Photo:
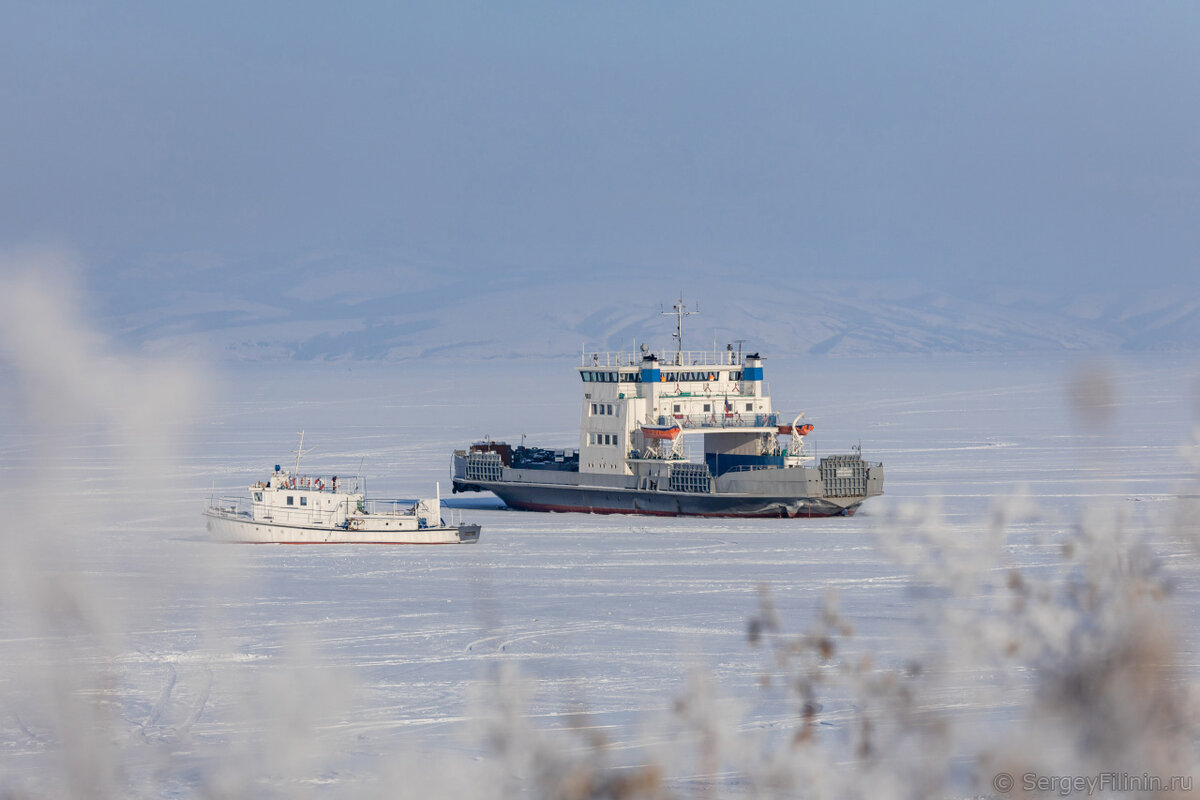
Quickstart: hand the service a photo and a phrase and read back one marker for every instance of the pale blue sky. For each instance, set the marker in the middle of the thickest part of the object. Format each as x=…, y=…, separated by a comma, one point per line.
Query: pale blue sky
x=1039, y=143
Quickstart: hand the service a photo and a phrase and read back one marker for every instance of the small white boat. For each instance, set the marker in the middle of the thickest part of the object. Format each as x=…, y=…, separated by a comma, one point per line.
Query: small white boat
x=289, y=508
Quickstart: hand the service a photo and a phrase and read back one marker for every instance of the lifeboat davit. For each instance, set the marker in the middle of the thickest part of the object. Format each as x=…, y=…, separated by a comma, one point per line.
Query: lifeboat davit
x=660, y=431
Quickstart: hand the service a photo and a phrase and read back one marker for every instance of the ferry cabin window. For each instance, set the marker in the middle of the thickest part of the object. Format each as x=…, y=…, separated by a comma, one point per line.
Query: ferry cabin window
x=290, y=500
x=303, y=501
x=258, y=497
x=749, y=406
x=605, y=377
x=677, y=408
x=707, y=407
x=609, y=410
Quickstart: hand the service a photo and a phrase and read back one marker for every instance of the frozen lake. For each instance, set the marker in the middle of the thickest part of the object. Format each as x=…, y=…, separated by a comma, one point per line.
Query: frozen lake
x=358, y=670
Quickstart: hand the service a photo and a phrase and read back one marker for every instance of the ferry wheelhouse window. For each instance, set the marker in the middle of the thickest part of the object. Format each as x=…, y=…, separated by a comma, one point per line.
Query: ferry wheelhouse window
x=258, y=497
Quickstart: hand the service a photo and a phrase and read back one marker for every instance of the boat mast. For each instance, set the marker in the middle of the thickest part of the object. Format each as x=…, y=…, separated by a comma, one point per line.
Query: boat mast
x=679, y=311
x=300, y=451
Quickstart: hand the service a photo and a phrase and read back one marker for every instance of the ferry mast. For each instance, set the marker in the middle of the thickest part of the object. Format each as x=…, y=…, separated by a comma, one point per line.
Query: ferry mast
x=678, y=311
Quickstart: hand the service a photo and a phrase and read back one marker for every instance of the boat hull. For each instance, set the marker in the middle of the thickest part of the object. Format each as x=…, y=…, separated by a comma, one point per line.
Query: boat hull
x=614, y=500
x=227, y=527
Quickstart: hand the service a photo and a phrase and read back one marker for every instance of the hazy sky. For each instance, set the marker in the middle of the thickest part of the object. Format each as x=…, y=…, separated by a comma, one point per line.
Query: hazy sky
x=957, y=142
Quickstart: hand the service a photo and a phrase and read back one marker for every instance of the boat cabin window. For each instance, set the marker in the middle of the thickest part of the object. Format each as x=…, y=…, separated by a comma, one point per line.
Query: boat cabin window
x=749, y=406
x=303, y=501
x=610, y=411
x=707, y=407
x=290, y=500
x=258, y=497
x=677, y=408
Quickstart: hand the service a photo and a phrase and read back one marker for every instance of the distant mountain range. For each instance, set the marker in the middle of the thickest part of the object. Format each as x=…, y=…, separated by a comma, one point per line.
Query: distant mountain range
x=328, y=309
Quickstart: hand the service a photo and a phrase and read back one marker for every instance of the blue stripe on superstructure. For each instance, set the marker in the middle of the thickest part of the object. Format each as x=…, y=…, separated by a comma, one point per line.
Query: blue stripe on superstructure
x=651, y=375
x=753, y=374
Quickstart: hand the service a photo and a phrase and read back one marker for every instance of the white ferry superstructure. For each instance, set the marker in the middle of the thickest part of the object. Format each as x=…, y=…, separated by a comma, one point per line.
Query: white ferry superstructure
x=639, y=414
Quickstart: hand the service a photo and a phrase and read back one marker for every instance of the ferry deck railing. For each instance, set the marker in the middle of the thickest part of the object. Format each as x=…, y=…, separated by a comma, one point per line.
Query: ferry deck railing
x=723, y=420
x=667, y=357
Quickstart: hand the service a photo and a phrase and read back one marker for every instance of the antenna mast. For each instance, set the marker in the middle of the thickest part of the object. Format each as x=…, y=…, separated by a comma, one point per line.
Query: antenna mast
x=678, y=311
x=300, y=451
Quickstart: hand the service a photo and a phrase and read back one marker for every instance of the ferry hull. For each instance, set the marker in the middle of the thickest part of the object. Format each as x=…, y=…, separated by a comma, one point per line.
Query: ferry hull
x=610, y=500
x=235, y=528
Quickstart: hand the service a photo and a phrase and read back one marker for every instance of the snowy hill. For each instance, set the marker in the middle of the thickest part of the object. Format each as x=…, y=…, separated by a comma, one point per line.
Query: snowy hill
x=332, y=308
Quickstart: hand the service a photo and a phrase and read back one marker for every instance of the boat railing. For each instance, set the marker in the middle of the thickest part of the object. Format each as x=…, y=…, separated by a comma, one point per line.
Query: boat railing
x=244, y=506
x=666, y=358
x=319, y=483
x=402, y=506
x=229, y=505
x=789, y=463
x=751, y=467
x=720, y=420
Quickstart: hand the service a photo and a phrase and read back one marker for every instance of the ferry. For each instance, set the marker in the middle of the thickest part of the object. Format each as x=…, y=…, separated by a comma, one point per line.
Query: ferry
x=687, y=433
x=291, y=508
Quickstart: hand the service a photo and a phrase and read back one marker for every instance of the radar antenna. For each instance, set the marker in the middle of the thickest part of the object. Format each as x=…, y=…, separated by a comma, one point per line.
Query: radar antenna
x=678, y=311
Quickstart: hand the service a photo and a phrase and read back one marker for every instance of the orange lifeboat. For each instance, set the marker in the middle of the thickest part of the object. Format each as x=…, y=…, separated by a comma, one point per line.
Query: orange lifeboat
x=660, y=431
x=799, y=430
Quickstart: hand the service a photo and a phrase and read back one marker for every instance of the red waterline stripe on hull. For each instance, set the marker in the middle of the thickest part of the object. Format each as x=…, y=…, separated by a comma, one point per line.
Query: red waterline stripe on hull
x=584, y=510
x=306, y=543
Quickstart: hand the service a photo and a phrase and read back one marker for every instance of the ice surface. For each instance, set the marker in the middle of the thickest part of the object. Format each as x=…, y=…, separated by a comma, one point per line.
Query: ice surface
x=140, y=659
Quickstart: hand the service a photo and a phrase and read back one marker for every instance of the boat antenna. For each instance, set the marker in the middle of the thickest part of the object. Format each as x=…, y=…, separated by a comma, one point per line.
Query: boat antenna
x=678, y=311
x=359, y=477
x=300, y=451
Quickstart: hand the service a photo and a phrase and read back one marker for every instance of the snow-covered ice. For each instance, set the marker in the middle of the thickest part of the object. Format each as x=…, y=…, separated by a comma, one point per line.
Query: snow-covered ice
x=140, y=655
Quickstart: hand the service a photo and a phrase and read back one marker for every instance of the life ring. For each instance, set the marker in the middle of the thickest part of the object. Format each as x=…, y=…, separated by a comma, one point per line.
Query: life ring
x=291, y=483
x=355, y=525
